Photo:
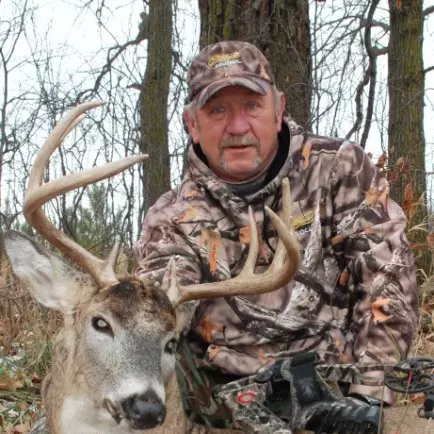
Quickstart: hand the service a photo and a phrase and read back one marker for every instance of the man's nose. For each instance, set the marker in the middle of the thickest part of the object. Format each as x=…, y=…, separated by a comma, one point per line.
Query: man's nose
x=238, y=124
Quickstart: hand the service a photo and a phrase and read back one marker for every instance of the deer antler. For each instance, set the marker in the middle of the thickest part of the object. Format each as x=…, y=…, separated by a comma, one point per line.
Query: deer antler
x=285, y=263
x=37, y=195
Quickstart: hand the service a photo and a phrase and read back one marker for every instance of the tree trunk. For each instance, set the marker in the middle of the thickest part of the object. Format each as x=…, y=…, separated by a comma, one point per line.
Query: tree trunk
x=280, y=30
x=405, y=129
x=154, y=100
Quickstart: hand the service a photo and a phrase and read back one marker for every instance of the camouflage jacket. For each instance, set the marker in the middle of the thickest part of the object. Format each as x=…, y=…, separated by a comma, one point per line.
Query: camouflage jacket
x=354, y=298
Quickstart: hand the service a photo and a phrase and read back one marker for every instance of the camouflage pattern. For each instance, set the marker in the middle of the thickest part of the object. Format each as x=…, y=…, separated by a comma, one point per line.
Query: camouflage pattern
x=199, y=383
x=354, y=299
x=228, y=63
x=246, y=400
x=251, y=404
x=354, y=373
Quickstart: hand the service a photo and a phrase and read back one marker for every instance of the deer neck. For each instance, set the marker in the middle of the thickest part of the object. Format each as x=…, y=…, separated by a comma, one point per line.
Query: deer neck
x=60, y=385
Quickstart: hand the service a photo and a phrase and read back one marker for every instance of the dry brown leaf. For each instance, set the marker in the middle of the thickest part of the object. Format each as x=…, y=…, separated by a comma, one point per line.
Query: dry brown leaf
x=337, y=239
x=245, y=238
x=21, y=376
x=369, y=230
x=344, y=278
x=391, y=150
x=402, y=164
x=23, y=406
x=19, y=429
x=305, y=152
x=35, y=378
x=262, y=357
x=213, y=252
x=212, y=352
x=376, y=308
x=204, y=237
x=207, y=328
x=372, y=195
x=191, y=194
x=10, y=384
x=418, y=398
x=393, y=177
x=211, y=239
x=344, y=358
x=408, y=200
x=430, y=240
x=190, y=214
x=382, y=160
x=245, y=235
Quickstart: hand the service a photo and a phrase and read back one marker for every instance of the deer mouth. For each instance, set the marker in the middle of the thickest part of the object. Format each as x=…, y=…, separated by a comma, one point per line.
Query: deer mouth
x=113, y=409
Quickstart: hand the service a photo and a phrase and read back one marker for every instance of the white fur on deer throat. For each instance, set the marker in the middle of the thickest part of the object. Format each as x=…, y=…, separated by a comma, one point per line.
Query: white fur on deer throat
x=79, y=415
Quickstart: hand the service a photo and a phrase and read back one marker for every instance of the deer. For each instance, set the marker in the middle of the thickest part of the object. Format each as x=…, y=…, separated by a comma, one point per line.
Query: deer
x=113, y=369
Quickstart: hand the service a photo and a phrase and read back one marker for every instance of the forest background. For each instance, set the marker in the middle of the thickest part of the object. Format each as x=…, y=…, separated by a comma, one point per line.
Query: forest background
x=358, y=69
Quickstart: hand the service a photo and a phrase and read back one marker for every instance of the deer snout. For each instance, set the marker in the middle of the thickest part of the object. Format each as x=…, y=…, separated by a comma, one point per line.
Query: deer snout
x=144, y=411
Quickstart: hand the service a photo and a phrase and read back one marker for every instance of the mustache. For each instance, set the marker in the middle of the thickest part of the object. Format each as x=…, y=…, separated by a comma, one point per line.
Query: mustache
x=246, y=140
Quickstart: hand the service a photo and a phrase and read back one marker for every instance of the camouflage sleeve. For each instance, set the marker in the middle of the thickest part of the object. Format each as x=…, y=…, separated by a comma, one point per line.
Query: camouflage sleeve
x=161, y=239
x=371, y=244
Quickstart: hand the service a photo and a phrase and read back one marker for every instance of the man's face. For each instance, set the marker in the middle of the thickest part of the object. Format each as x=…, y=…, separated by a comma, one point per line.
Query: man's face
x=237, y=131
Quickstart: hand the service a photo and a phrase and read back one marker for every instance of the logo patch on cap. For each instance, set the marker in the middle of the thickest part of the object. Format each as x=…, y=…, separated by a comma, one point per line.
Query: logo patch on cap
x=219, y=60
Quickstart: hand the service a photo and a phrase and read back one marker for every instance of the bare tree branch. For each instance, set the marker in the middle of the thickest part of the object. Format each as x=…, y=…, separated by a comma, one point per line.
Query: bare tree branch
x=359, y=106
x=372, y=71
x=429, y=69
x=428, y=11
x=118, y=50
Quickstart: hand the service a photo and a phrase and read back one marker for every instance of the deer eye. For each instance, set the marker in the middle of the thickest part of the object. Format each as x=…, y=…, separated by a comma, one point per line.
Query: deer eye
x=170, y=347
x=101, y=325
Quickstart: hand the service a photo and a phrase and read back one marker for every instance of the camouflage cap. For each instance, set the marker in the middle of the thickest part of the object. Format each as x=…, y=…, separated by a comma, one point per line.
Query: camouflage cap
x=228, y=63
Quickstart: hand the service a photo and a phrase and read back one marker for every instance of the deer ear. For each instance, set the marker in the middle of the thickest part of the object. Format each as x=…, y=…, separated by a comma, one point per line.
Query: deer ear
x=47, y=278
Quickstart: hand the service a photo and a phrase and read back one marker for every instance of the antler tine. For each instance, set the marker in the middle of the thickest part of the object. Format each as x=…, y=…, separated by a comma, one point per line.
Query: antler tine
x=285, y=263
x=249, y=265
x=287, y=244
x=113, y=255
x=37, y=195
x=54, y=139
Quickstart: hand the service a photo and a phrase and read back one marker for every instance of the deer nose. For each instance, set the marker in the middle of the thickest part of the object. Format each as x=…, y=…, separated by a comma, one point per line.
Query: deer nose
x=144, y=411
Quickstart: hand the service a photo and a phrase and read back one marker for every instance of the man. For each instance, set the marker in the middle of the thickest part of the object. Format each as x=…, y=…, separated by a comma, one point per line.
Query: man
x=354, y=298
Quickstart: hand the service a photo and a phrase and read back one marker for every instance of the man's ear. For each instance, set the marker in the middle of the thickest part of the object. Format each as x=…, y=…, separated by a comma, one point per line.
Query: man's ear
x=192, y=126
x=280, y=110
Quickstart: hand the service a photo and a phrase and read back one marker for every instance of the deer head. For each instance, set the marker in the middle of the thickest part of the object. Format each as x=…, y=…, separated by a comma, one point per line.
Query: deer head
x=115, y=356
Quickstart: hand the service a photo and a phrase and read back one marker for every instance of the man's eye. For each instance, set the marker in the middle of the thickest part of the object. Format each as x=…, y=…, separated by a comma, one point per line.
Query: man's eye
x=218, y=110
x=252, y=105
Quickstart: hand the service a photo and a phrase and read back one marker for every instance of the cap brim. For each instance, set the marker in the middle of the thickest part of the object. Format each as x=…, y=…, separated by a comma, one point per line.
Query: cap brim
x=255, y=84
